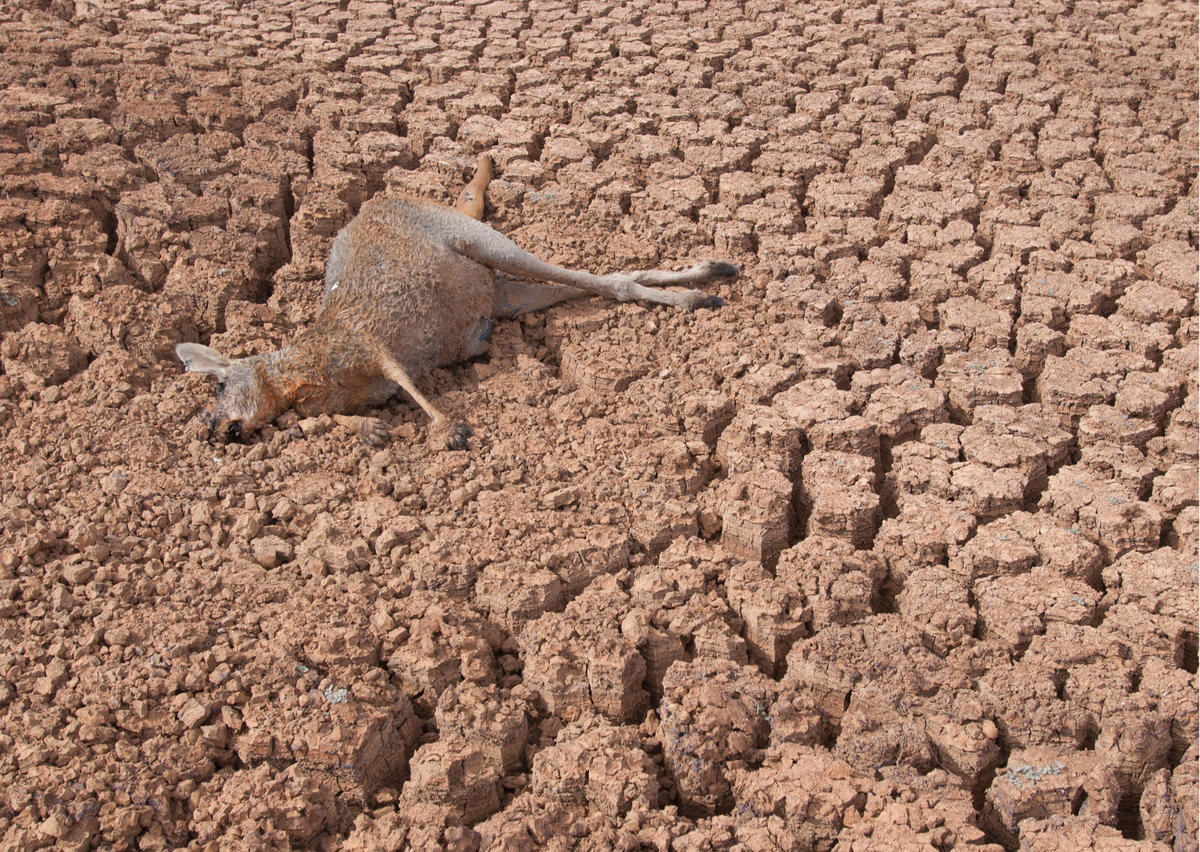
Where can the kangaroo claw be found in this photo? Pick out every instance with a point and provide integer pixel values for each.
(371, 430)
(455, 435)
(374, 432)
(705, 300)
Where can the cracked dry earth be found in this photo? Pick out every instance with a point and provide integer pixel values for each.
(897, 550)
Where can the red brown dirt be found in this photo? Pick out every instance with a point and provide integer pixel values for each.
(897, 550)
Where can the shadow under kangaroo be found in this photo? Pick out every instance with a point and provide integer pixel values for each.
(411, 285)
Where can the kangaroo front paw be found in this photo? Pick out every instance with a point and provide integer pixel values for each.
(374, 432)
(453, 436)
(371, 430)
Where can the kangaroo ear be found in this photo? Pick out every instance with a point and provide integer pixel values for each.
(198, 358)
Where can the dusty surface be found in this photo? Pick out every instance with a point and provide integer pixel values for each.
(897, 550)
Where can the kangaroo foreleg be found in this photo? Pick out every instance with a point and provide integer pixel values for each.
(455, 434)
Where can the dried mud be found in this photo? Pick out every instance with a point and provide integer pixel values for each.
(897, 550)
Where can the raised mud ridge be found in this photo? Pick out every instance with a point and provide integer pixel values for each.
(895, 551)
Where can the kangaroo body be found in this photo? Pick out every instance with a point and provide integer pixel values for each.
(406, 304)
(409, 285)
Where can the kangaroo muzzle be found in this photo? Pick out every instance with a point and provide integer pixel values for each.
(231, 432)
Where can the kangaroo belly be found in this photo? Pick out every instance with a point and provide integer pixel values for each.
(461, 294)
(391, 276)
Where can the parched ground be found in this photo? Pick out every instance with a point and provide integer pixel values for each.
(897, 550)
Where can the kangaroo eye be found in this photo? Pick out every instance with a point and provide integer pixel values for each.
(220, 387)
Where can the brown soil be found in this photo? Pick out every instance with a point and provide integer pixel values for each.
(897, 550)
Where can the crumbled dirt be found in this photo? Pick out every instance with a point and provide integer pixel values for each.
(896, 550)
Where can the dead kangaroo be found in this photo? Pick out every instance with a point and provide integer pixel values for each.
(410, 285)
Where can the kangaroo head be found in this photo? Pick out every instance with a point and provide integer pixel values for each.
(244, 400)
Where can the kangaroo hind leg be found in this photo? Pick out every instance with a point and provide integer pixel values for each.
(470, 200)
(516, 298)
(494, 250)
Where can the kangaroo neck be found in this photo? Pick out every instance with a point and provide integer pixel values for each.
(274, 382)
(321, 370)
(292, 375)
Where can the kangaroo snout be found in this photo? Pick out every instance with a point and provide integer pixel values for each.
(229, 432)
